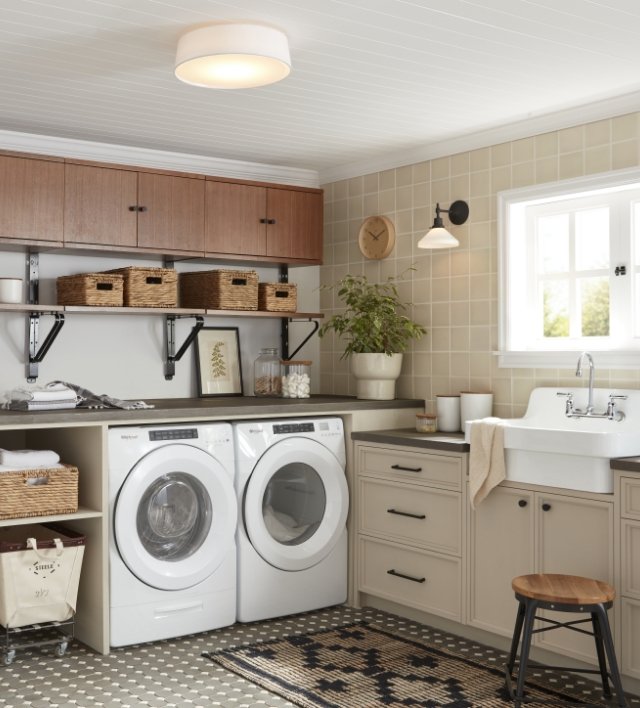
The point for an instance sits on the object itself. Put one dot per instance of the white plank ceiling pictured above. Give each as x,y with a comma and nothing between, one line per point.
369,78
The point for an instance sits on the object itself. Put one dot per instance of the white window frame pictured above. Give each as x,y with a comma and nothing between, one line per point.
512,248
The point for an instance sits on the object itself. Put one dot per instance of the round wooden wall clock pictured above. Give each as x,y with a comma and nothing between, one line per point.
377,237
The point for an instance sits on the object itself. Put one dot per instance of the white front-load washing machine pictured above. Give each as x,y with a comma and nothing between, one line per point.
172,513
293,503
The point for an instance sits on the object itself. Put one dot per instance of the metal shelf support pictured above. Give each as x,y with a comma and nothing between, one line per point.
36,355
170,341
284,327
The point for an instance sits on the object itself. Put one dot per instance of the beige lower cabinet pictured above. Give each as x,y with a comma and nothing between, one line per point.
630,574
517,531
411,528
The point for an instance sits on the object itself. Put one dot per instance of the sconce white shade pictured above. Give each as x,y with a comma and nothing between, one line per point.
232,56
438,237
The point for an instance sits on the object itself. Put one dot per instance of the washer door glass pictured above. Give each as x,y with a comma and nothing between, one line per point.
295,504
175,517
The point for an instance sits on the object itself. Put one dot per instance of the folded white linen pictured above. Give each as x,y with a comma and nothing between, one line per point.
9,468
486,458
28,459
53,391
37,405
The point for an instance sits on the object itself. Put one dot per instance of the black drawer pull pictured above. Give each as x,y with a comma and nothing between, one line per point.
406,469
238,281
154,280
406,513
522,503
263,221
406,577
104,286
546,507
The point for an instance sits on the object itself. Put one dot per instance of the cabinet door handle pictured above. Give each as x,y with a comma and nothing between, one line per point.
406,513
406,469
522,503
263,221
406,577
271,221
133,207
546,507
143,208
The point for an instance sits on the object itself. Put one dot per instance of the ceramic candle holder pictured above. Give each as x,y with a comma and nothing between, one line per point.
10,290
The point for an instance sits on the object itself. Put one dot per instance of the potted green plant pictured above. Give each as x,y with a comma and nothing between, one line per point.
376,330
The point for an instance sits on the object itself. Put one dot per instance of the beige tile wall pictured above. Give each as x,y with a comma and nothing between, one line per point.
454,292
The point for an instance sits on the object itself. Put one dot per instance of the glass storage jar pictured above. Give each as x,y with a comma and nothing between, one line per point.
426,423
296,379
266,373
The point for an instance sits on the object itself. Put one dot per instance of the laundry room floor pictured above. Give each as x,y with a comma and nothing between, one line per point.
173,672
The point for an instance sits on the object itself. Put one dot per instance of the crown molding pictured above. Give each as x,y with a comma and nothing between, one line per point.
159,159
535,125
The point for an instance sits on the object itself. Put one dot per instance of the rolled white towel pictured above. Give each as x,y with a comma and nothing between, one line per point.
28,459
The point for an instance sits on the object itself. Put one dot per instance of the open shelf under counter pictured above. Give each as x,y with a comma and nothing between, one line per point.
82,513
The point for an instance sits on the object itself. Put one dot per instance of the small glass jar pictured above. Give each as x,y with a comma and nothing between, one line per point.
296,379
426,423
266,373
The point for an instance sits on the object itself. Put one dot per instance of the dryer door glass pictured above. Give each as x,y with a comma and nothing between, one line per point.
174,517
294,503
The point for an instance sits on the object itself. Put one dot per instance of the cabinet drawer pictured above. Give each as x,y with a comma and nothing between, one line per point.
630,497
630,556
442,470
432,582
630,659
419,515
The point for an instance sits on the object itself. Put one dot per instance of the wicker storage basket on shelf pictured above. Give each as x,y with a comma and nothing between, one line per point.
99,289
278,297
38,492
149,287
219,289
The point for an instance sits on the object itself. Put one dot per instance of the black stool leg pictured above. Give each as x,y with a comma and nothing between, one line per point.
529,616
517,631
605,630
602,662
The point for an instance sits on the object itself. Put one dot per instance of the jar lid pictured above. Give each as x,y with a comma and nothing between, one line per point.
425,415
291,362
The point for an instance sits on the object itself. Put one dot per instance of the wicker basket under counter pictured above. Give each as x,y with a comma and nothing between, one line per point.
38,492
278,297
219,289
149,287
94,289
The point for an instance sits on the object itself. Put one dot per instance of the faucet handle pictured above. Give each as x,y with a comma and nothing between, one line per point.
562,393
612,413
613,397
568,408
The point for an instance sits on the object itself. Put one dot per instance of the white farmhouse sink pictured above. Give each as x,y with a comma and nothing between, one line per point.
546,447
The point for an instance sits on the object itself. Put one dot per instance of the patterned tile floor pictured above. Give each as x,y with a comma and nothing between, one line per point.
172,672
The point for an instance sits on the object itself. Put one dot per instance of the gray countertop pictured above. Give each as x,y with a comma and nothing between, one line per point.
626,464
452,442
222,407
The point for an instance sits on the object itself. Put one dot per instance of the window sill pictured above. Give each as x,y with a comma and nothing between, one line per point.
567,360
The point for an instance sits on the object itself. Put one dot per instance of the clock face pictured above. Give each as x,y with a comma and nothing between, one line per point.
377,237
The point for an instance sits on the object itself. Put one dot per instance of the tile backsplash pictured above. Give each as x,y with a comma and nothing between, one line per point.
454,293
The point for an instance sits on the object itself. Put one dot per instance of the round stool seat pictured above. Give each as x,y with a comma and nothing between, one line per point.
563,589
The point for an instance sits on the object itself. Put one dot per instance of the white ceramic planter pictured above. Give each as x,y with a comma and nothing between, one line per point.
376,375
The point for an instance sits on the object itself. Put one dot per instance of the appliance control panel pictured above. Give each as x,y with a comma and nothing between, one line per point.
173,434
288,428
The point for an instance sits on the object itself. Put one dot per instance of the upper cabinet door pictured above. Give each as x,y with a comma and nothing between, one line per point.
235,219
294,224
170,213
100,206
31,199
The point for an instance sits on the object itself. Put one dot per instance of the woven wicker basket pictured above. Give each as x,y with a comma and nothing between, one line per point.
278,297
149,287
100,289
220,289
39,492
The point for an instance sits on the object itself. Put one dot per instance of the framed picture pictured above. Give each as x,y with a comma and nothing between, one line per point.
218,362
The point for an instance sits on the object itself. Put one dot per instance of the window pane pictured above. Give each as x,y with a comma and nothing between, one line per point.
594,300
592,239
555,308
553,243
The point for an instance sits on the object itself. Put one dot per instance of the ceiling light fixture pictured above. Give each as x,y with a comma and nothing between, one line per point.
438,236
232,56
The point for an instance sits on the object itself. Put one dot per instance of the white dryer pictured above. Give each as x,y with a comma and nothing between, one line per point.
293,503
173,513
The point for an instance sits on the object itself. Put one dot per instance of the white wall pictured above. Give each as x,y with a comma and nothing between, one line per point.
123,355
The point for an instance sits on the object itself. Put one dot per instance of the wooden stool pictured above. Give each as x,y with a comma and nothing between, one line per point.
563,593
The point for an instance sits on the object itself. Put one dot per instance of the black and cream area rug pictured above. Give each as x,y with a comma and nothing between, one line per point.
360,665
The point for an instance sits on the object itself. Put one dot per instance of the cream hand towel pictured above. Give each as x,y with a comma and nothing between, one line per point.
28,459
486,460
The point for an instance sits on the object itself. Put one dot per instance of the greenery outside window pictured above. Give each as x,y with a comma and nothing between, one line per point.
570,272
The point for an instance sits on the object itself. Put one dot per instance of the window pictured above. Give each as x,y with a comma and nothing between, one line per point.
570,272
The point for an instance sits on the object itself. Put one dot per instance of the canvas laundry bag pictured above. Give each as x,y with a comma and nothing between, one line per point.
39,574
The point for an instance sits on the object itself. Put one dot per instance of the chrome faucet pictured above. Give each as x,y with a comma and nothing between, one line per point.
589,358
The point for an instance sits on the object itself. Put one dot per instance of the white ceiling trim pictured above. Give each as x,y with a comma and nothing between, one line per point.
158,159
598,110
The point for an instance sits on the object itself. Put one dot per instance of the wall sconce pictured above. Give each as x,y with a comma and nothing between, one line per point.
438,236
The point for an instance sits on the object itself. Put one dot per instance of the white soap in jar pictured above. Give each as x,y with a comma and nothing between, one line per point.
296,380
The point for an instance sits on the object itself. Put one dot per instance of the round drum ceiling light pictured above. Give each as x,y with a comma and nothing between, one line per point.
232,56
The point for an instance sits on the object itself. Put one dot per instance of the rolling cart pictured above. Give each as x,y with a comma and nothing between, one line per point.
30,636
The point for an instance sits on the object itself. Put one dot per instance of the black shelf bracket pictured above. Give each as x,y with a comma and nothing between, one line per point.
285,336
170,341
36,355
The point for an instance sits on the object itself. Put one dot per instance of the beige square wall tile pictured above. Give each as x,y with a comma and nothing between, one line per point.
571,165
356,186
459,262
547,169
440,168
571,139
459,187
480,159
460,287
440,314
597,159
480,367
625,127
421,172
460,163
404,197
440,263
460,365
480,184
597,133
341,189
440,366
370,183
387,180
480,339
404,176
387,202
546,145
440,339
480,312
624,154
522,150
371,204
459,339
523,174
522,390
501,155
459,313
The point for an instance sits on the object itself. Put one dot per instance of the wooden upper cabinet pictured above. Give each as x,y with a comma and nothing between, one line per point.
100,206
170,212
235,219
31,199
295,224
